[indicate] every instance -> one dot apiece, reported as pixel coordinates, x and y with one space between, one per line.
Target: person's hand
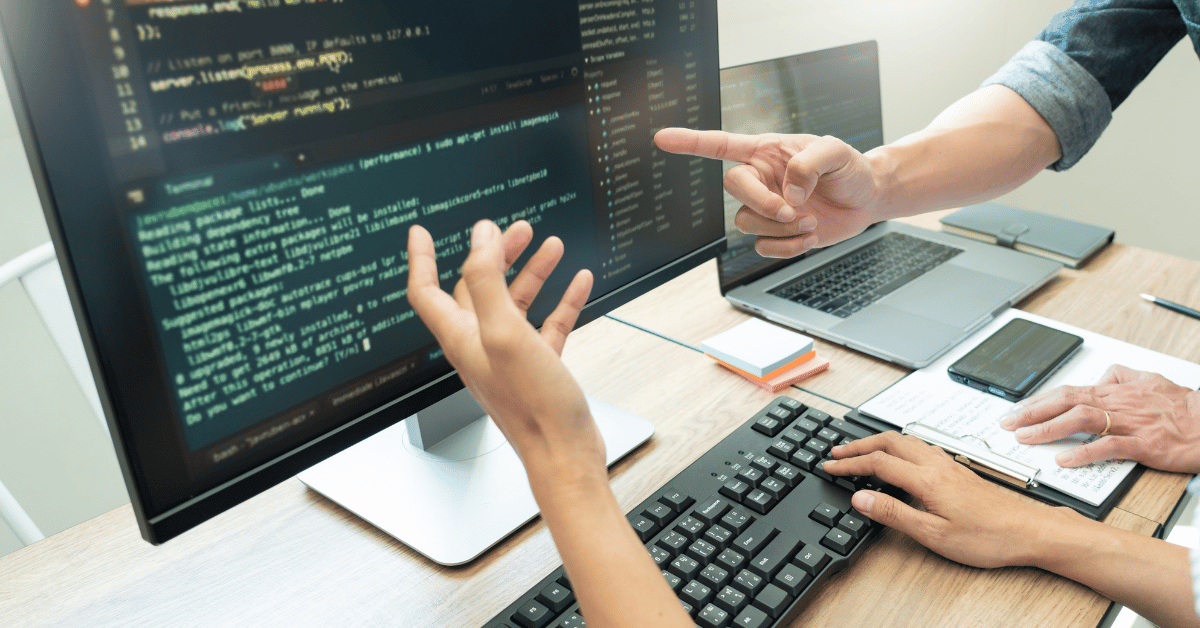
966 518
1149 419
512 370
798 191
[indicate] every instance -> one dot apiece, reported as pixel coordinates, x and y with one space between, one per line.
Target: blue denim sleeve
1087 61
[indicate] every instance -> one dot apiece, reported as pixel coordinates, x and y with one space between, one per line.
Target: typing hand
966 518
799 191
512 370
1150 420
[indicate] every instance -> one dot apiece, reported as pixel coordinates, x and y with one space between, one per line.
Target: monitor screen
826 92
229 185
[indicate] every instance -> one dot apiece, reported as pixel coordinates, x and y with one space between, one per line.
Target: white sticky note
758 347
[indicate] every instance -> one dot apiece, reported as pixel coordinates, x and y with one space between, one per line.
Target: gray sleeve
1070 99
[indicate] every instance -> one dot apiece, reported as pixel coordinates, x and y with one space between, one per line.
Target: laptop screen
826 92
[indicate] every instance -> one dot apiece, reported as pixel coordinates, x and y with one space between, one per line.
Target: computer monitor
229 183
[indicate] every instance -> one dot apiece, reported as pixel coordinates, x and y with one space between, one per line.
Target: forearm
982 146
612 575
1148 575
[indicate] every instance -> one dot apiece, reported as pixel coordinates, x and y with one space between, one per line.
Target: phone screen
1012 362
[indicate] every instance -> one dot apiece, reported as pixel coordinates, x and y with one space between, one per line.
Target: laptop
900 293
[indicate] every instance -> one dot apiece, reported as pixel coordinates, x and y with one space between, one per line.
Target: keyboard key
690 528
774 487
751 617
768 425
696 594
659 513
804 459
839 541
783 415
794 436
719 537
714 577
811 560
572 621
735 489
853 525
764 463
846 428
751 476
711 510
826 514
556 597
792 405
782 449
806 426
737 520
755 538
748 582
645 528
685 567
731 600
563 579
673 542
829 435
731 561
688 608
792 579
772 600
789 474
712 617
760 501
533 614
775 555
675 500
673 581
817 416
817 446
703 551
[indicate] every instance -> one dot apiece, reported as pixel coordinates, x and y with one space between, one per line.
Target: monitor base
453 500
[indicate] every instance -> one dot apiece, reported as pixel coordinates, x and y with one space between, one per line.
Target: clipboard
1000 469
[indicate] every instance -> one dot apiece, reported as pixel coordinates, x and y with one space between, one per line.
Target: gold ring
1107 424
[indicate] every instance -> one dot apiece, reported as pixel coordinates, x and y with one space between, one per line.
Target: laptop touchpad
898 332
953 295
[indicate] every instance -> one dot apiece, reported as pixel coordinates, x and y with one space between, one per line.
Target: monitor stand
445 481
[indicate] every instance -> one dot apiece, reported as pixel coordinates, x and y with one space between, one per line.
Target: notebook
900 293
930 398
1070 242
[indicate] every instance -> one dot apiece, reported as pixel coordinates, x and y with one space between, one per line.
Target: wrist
1062 537
884 167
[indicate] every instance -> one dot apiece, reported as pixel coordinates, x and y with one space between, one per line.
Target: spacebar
888 287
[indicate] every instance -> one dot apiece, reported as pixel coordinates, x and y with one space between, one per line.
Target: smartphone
1016 359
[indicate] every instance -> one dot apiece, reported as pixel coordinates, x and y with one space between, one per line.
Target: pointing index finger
710 144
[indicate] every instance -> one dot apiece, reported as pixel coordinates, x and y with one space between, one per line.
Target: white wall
933 52
57 461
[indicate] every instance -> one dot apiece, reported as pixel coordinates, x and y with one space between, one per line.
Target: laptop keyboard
866 275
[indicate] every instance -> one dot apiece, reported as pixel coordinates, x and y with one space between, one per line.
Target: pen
1187 311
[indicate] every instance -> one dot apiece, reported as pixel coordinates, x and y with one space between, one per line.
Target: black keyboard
747 534
865 275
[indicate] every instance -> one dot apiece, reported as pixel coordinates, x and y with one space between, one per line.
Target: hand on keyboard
966 519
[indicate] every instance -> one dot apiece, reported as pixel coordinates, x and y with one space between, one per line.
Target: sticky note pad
788 377
758 347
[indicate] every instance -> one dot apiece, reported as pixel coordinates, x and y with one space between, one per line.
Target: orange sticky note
798 373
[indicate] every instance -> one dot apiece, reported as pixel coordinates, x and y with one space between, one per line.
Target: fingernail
481 234
825 465
1008 420
1065 458
808 223
794 195
1024 433
863 501
810 241
786 214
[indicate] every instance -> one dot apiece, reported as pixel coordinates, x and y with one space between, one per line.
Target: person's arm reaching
801 191
516 375
974 522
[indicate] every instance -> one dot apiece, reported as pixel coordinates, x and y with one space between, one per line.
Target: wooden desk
291 558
